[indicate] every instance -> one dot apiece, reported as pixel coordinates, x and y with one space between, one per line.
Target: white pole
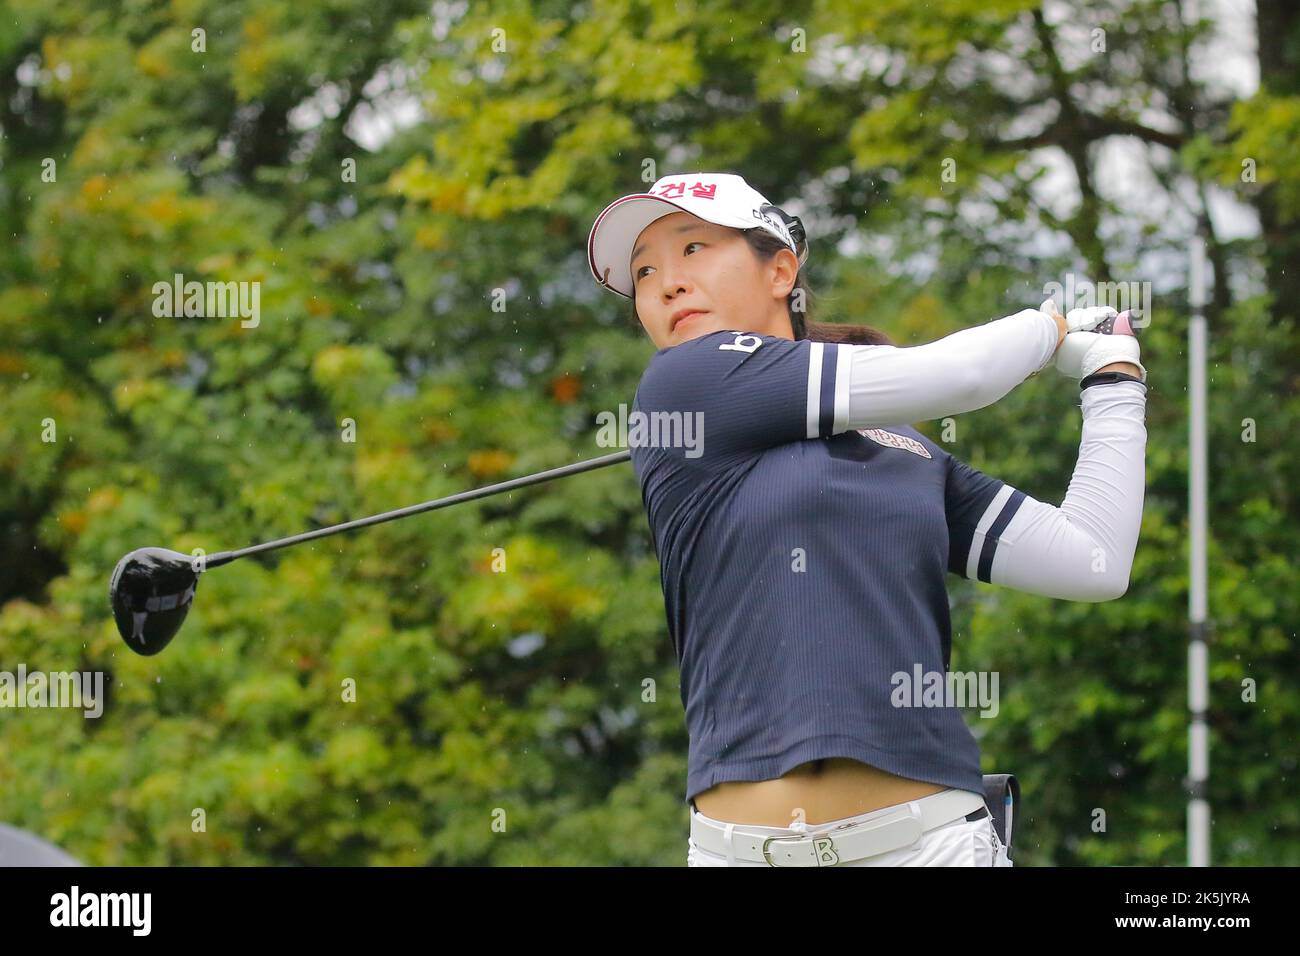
1198 750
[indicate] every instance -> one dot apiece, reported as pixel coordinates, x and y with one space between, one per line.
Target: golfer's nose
675 281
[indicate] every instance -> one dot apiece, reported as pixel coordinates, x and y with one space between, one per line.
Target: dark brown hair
765 245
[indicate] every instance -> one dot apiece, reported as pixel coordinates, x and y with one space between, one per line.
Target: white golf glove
1097 337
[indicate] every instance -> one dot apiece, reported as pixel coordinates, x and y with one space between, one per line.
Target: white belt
848 841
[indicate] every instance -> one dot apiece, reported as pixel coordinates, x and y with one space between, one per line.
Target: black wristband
1105 378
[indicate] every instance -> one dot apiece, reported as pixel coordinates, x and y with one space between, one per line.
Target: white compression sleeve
969 369
1083 550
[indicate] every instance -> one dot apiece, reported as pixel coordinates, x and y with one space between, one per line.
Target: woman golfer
804 530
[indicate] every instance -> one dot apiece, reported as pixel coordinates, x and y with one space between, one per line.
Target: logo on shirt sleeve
743 343
891 440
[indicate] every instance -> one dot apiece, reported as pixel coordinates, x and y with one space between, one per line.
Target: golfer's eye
643 268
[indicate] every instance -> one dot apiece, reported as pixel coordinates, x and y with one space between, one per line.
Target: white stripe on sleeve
981 530
814 388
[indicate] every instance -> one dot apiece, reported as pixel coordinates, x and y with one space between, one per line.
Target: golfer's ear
785 272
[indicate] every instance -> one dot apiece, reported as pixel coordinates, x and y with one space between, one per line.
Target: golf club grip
225 557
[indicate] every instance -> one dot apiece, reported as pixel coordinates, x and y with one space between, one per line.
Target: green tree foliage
412 191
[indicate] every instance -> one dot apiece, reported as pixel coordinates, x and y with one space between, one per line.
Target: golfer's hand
1097 338
1077 320
1062 327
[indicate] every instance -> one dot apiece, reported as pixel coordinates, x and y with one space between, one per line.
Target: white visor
722 198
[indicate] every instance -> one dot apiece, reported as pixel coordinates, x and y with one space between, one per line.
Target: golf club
152 588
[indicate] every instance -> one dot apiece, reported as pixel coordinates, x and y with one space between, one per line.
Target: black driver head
151 592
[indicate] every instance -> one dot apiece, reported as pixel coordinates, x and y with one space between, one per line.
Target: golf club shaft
225 557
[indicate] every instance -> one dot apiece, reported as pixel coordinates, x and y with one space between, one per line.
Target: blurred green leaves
395 696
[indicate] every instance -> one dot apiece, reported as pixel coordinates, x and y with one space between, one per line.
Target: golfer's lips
681 314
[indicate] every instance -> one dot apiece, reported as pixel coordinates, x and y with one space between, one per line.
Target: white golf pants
959 843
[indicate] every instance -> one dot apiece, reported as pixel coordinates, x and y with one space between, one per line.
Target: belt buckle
814 837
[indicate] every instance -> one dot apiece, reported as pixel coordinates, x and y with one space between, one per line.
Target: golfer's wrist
1128 368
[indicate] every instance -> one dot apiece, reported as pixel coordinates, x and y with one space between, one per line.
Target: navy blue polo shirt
803 569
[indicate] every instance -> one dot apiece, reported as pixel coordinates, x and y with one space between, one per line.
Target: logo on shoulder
744 342
892 440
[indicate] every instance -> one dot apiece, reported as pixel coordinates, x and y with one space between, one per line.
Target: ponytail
844 334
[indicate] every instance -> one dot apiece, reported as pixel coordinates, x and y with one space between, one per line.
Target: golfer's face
683 262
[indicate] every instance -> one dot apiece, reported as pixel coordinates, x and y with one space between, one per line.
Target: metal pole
1198 749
